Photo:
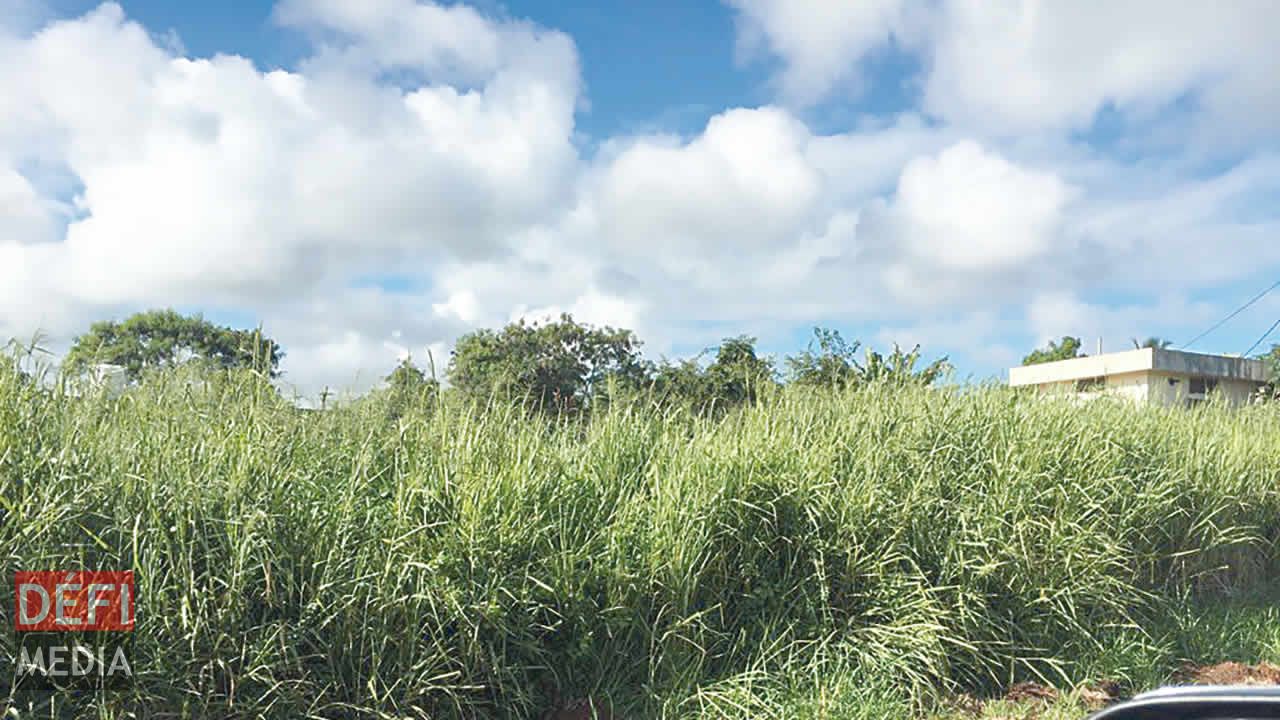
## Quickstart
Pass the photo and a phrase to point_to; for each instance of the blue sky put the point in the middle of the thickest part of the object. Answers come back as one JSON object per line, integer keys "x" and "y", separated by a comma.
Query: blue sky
{"x": 656, "y": 66}
{"x": 663, "y": 65}
{"x": 372, "y": 180}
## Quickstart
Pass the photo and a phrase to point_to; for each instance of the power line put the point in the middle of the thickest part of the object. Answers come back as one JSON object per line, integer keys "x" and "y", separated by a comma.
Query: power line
{"x": 1264, "y": 337}
{"x": 1227, "y": 319}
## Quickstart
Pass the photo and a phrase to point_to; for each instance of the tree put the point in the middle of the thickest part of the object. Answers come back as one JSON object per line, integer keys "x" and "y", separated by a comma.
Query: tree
{"x": 1065, "y": 349}
{"x": 738, "y": 374}
{"x": 683, "y": 382}
{"x": 164, "y": 338}
{"x": 1151, "y": 342}
{"x": 833, "y": 363}
{"x": 407, "y": 384}
{"x": 900, "y": 368}
{"x": 407, "y": 377}
{"x": 558, "y": 366}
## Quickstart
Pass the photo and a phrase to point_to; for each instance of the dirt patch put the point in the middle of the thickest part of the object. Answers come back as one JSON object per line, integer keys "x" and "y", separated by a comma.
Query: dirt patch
{"x": 1031, "y": 700}
{"x": 1229, "y": 673}
{"x": 1100, "y": 695}
{"x": 1025, "y": 691}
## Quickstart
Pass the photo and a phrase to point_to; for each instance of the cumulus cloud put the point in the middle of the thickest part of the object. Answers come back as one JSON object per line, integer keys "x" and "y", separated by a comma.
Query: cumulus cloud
{"x": 210, "y": 181}
{"x": 28, "y": 217}
{"x": 350, "y": 340}
{"x": 819, "y": 41}
{"x": 743, "y": 185}
{"x": 417, "y": 175}
{"x": 1170, "y": 316}
{"x": 969, "y": 209}
{"x": 968, "y": 225}
{"x": 1028, "y": 65}
{"x": 976, "y": 339}
{"x": 209, "y": 177}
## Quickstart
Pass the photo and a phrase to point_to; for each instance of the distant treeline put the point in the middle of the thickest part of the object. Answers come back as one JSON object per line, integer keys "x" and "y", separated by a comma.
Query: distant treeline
{"x": 565, "y": 366}
{"x": 561, "y": 366}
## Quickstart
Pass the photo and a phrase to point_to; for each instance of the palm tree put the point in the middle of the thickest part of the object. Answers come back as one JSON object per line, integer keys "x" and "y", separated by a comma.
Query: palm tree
{"x": 1152, "y": 342}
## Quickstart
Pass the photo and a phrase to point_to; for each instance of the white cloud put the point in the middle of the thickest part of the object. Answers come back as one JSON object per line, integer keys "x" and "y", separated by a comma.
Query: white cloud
{"x": 1034, "y": 64}
{"x": 593, "y": 307}
{"x": 743, "y": 186}
{"x": 28, "y": 218}
{"x": 977, "y": 338}
{"x": 967, "y": 228}
{"x": 435, "y": 145}
{"x": 211, "y": 181}
{"x": 968, "y": 209}
{"x": 350, "y": 338}
{"x": 461, "y": 305}
{"x": 820, "y": 41}
{"x": 886, "y": 225}
{"x": 453, "y": 40}
{"x": 209, "y": 177}
{"x": 1029, "y": 65}
{"x": 1169, "y": 316}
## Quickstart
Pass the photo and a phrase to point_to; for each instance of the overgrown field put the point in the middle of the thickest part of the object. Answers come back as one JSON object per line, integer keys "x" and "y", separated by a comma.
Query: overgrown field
{"x": 865, "y": 554}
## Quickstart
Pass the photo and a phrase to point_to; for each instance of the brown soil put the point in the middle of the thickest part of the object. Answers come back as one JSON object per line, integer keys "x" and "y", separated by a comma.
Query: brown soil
{"x": 1230, "y": 673}
{"x": 1030, "y": 691}
{"x": 1100, "y": 695}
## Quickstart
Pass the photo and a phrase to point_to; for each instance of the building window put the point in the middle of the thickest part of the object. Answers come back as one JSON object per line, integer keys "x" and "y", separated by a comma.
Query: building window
{"x": 1092, "y": 384}
{"x": 1202, "y": 386}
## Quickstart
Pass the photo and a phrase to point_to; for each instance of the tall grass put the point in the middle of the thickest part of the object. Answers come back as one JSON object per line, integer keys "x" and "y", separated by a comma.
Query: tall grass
{"x": 845, "y": 555}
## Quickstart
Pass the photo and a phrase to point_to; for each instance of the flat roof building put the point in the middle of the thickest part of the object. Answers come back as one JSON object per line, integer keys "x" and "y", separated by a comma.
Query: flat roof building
{"x": 1149, "y": 375}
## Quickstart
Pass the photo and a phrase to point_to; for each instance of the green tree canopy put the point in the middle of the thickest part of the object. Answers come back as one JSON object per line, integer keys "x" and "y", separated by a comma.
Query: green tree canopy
{"x": 1065, "y": 349}
{"x": 406, "y": 376}
{"x": 831, "y": 362}
{"x": 407, "y": 384}
{"x": 737, "y": 375}
{"x": 556, "y": 366}
{"x": 900, "y": 368}
{"x": 164, "y": 338}
{"x": 1272, "y": 359}
{"x": 682, "y": 381}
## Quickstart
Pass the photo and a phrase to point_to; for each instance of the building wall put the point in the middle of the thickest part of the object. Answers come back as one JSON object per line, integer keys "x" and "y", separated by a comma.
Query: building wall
{"x": 1237, "y": 375}
{"x": 1130, "y": 386}
{"x": 1133, "y": 386}
{"x": 1168, "y": 389}
{"x": 1213, "y": 366}
{"x": 1096, "y": 366}
{"x": 1154, "y": 388}
{"x": 1239, "y": 392}
{"x": 1236, "y": 392}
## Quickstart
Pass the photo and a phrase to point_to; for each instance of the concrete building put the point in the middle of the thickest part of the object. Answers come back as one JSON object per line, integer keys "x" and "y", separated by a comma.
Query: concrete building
{"x": 1149, "y": 375}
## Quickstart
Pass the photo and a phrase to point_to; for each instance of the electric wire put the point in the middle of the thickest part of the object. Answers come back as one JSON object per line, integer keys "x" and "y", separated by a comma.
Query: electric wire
{"x": 1254, "y": 346}
{"x": 1227, "y": 319}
